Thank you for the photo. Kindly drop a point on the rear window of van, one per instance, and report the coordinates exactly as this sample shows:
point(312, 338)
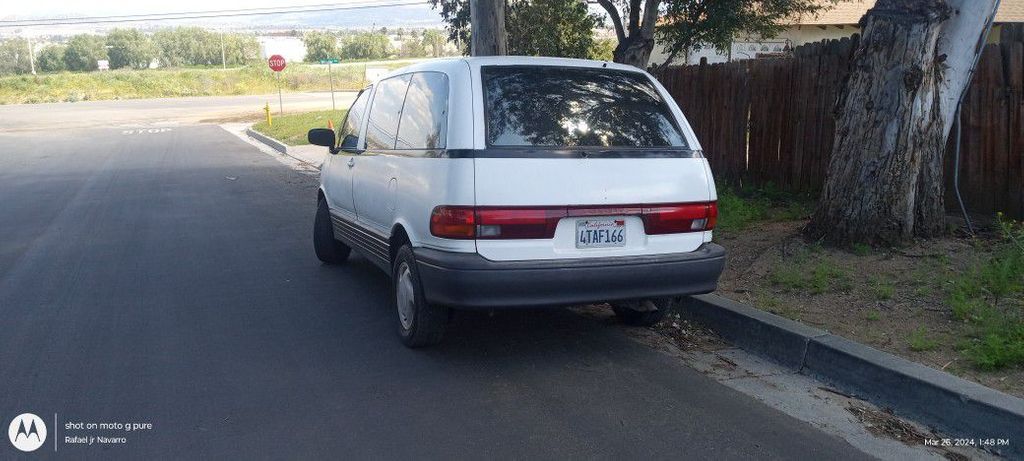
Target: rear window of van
point(560, 107)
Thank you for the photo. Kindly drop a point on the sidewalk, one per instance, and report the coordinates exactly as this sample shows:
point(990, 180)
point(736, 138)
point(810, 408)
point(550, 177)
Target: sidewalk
point(309, 154)
point(313, 155)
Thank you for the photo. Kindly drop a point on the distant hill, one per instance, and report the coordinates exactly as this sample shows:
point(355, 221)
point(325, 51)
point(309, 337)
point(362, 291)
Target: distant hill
point(390, 17)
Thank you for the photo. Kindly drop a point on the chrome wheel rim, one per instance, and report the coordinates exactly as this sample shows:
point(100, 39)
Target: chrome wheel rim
point(406, 296)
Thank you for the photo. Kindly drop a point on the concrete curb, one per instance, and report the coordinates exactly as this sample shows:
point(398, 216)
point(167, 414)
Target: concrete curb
point(273, 143)
point(950, 404)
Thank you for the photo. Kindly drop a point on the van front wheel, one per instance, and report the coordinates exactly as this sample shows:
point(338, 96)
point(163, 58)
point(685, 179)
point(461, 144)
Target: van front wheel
point(643, 312)
point(419, 322)
point(328, 249)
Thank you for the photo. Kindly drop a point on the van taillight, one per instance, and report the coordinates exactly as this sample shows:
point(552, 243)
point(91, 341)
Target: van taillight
point(518, 223)
point(683, 217)
point(463, 222)
point(453, 222)
point(458, 222)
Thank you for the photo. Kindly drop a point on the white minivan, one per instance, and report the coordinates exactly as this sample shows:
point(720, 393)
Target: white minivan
point(499, 182)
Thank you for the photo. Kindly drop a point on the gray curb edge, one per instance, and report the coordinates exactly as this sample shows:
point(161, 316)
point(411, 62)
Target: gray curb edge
point(955, 406)
point(273, 143)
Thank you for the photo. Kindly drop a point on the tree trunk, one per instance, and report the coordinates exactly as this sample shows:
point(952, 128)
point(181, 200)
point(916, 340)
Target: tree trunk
point(634, 50)
point(885, 179)
point(487, 18)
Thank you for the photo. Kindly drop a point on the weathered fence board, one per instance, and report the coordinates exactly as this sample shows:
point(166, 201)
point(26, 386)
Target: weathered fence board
point(771, 121)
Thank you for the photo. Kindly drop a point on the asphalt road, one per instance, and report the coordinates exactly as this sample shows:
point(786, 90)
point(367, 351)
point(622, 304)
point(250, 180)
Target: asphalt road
point(59, 117)
point(170, 278)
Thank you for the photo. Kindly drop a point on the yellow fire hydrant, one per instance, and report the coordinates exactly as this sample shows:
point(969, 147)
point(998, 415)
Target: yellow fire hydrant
point(266, 109)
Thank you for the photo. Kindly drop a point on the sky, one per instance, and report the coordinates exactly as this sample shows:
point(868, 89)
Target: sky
point(14, 9)
point(399, 16)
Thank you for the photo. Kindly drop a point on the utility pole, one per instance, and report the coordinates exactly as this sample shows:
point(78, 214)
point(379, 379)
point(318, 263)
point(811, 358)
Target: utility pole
point(487, 18)
point(223, 62)
point(330, 76)
point(31, 54)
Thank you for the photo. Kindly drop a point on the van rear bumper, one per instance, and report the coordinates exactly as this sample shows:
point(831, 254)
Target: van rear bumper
point(468, 280)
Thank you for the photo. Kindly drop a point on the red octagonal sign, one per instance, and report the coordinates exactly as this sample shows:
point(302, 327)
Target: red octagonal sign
point(276, 63)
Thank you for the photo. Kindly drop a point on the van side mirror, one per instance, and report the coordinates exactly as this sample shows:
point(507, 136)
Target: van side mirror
point(321, 137)
point(349, 143)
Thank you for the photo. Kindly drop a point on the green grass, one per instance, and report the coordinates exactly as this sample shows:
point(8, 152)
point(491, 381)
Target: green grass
point(860, 249)
point(814, 275)
point(291, 129)
point(737, 213)
point(873, 315)
point(920, 341)
point(881, 289)
point(1000, 346)
point(771, 303)
point(739, 209)
point(989, 299)
point(826, 275)
point(254, 78)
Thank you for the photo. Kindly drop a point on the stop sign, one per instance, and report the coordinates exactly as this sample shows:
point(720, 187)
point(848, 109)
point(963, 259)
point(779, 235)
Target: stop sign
point(276, 63)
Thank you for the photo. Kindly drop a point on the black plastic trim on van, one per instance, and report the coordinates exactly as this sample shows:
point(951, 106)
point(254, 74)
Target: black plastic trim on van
point(374, 247)
point(594, 152)
point(468, 280)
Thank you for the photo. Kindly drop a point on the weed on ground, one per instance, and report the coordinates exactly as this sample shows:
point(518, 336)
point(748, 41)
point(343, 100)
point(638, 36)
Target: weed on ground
point(988, 299)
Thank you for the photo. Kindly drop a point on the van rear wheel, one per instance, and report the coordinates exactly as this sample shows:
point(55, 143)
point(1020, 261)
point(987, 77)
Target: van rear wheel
point(420, 323)
point(328, 249)
point(643, 312)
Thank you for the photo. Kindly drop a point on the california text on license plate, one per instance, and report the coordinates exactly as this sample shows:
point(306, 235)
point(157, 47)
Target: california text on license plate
point(600, 233)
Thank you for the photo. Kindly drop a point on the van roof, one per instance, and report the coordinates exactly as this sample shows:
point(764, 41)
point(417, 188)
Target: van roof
point(543, 61)
point(446, 64)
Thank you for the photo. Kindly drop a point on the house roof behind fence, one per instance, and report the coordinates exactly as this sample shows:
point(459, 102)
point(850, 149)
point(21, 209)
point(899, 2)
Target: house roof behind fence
point(848, 12)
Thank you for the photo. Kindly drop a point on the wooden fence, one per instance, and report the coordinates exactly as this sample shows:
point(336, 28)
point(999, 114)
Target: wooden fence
point(764, 121)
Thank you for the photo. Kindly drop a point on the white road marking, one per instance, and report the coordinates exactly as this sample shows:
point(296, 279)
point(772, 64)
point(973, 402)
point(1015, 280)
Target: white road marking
point(146, 131)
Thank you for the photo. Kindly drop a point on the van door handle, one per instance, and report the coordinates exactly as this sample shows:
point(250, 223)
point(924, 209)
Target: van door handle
point(351, 162)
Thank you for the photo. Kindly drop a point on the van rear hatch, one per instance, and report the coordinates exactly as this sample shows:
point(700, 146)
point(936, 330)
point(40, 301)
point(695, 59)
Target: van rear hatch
point(585, 162)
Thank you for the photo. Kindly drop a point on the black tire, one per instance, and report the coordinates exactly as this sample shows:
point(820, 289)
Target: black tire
point(328, 249)
point(645, 312)
point(420, 323)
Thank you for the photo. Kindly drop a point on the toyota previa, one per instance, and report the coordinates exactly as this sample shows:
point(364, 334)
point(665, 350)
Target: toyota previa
point(503, 182)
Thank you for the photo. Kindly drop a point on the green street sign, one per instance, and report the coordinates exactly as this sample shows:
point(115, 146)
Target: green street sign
point(328, 61)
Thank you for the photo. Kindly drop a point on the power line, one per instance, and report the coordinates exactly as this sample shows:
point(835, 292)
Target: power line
point(204, 14)
point(180, 13)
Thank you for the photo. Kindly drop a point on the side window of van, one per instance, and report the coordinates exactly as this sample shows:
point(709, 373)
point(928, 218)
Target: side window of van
point(424, 122)
point(385, 111)
point(349, 132)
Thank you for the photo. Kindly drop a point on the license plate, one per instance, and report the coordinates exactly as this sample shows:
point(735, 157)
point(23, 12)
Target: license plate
point(600, 233)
